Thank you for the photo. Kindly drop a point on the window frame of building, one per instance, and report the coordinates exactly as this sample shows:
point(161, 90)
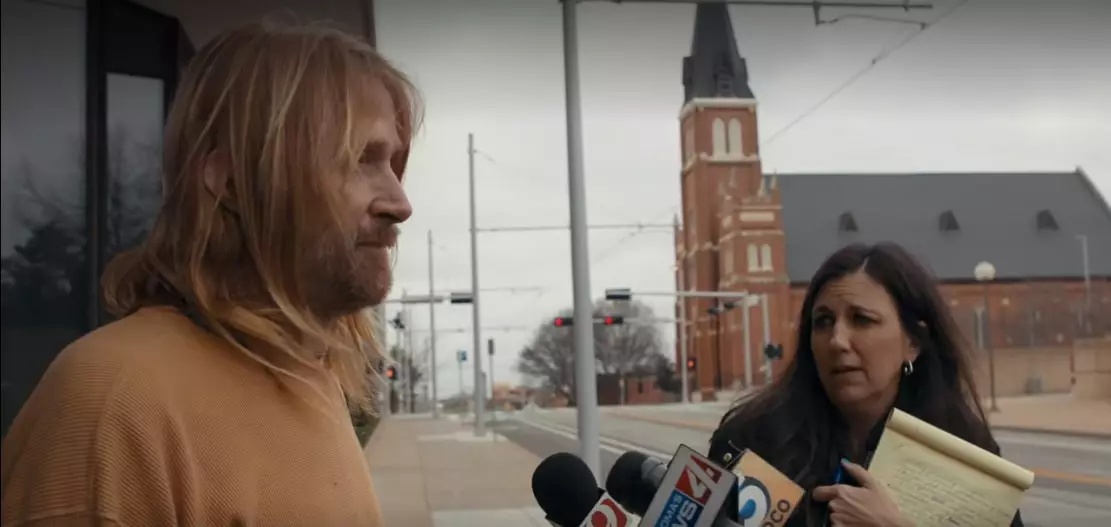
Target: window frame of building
point(718, 136)
point(735, 135)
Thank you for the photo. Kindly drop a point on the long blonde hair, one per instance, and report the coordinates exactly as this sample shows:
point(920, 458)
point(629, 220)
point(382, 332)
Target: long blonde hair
point(277, 104)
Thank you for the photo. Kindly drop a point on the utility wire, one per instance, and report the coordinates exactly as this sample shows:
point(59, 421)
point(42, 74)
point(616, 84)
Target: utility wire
point(883, 55)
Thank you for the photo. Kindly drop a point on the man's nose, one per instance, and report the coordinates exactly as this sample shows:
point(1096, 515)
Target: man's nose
point(393, 205)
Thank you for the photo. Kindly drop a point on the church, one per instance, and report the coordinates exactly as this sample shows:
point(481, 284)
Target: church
point(1047, 236)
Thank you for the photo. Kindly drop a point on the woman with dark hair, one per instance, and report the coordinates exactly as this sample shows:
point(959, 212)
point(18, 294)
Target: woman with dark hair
point(874, 334)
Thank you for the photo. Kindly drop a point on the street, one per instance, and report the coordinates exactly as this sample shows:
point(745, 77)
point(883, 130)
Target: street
point(1072, 487)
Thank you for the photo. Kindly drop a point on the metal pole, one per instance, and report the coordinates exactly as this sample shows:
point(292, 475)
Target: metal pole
point(432, 334)
point(490, 351)
point(586, 389)
point(683, 340)
point(479, 413)
point(410, 382)
point(426, 387)
point(986, 335)
point(402, 351)
point(747, 323)
point(764, 300)
point(681, 265)
point(722, 295)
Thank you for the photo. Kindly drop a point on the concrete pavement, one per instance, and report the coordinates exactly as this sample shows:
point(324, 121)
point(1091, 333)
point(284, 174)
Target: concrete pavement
point(1073, 485)
point(435, 473)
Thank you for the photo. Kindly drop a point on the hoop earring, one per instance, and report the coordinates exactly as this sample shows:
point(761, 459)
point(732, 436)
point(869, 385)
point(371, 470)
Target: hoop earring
point(908, 368)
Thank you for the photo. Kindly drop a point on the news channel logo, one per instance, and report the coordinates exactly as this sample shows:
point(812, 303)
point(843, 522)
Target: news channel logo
point(607, 513)
point(692, 493)
point(754, 505)
point(680, 510)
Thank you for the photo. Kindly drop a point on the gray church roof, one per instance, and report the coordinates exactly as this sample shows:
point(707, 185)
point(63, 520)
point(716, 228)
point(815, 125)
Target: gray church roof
point(714, 68)
point(951, 221)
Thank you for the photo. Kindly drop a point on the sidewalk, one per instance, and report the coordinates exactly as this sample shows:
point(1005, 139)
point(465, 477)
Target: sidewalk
point(1058, 413)
point(436, 473)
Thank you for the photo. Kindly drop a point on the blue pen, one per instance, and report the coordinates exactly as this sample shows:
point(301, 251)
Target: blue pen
point(836, 481)
point(840, 470)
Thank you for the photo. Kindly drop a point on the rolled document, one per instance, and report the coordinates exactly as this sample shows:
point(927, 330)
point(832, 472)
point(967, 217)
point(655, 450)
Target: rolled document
point(938, 479)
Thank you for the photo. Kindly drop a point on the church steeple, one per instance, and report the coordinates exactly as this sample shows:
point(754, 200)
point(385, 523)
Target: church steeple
point(714, 69)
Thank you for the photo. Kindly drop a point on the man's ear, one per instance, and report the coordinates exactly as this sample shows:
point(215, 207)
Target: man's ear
point(217, 182)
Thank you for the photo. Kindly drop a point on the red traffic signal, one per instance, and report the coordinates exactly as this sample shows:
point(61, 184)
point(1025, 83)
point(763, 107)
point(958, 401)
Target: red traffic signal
point(690, 364)
point(560, 322)
point(391, 373)
point(613, 320)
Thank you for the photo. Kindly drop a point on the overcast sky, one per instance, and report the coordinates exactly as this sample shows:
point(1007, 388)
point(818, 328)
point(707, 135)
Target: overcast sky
point(997, 85)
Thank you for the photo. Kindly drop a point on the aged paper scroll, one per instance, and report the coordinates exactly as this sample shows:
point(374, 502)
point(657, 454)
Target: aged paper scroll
point(938, 479)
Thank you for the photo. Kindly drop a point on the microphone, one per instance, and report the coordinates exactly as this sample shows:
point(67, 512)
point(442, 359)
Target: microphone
point(564, 488)
point(690, 491)
point(765, 496)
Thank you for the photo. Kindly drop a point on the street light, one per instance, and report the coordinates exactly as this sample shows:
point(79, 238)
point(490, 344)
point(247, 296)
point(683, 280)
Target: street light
point(985, 273)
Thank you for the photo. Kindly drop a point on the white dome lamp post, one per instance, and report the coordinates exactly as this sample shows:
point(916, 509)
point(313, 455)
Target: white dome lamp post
point(985, 273)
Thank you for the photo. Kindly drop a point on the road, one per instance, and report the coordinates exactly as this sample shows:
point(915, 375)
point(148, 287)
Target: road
point(1072, 487)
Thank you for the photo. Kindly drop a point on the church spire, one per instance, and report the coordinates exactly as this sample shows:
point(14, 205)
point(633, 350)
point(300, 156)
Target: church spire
point(714, 69)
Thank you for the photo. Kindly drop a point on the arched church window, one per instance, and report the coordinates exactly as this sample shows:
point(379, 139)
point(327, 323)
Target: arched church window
point(736, 144)
point(719, 138)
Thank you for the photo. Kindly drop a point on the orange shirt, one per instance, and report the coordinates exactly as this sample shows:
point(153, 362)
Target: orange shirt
point(152, 421)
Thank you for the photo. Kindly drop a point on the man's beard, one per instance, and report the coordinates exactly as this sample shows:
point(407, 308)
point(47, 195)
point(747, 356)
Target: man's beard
point(343, 277)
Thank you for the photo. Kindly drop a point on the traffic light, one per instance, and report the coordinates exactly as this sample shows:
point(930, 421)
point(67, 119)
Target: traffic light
point(773, 351)
point(691, 364)
point(613, 320)
point(391, 373)
point(560, 322)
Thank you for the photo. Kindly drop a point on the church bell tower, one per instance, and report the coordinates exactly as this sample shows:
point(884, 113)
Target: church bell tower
point(731, 234)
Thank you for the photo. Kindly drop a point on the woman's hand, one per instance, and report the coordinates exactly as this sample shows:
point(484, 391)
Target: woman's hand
point(868, 505)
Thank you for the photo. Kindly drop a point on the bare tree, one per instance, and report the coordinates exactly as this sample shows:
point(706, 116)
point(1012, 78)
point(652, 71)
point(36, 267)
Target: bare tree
point(631, 347)
point(634, 347)
point(549, 358)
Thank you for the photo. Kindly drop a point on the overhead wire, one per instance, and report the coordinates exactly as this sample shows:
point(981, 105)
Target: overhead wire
point(876, 60)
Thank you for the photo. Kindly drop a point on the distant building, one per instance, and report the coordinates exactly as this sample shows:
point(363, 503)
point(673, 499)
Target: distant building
point(744, 230)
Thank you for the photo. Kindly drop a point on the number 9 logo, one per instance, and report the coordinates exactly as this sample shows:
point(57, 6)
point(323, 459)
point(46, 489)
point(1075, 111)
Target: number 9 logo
point(753, 502)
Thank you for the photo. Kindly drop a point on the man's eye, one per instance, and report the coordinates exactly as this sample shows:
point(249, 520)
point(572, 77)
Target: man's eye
point(373, 155)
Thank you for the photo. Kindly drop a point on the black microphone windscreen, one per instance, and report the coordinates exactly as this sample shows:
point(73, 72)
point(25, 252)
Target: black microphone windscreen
point(628, 483)
point(565, 488)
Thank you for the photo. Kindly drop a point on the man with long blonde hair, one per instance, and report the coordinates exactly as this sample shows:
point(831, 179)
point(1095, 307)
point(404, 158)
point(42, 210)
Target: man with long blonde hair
point(221, 396)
